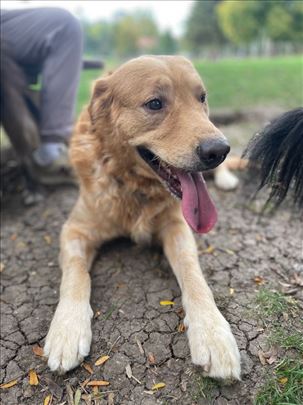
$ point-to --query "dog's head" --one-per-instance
(158, 106)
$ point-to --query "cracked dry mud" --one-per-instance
(128, 282)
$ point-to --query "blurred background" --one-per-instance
(249, 53)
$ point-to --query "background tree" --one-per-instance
(130, 28)
(168, 44)
(202, 28)
(240, 20)
(243, 22)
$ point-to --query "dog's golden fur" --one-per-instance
(120, 195)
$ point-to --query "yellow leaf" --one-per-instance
(283, 380)
(38, 351)
(158, 386)
(88, 367)
(163, 303)
(9, 384)
(47, 400)
(101, 360)
(97, 313)
(259, 280)
(47, 239)
(209, 250)
(98, 383)
(33, 378)
(181, 328)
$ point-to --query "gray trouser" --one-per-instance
(49, 38)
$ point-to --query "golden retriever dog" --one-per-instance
(139, 151)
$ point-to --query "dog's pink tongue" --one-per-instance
(197, 206)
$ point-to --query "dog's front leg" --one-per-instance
(69, 338)
(212, 344)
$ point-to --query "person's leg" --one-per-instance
(50, 38)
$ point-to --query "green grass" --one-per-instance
(273, 303)
(85, 87)
(285, 386)
(254, 82)
(282, 337)
(204, 388)
(236, 83)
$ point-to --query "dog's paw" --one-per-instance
(69, 337)
(214, 348)
(225, 180)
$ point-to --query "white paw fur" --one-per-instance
(225, 180)
(69, 337)
(214, 348)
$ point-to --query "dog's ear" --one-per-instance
(101, 99)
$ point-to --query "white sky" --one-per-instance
(168, 14)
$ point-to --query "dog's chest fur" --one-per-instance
(131, 201)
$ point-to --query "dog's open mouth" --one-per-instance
(197, 206)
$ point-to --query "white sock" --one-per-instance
(47, 153)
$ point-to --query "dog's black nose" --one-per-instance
(212, 152)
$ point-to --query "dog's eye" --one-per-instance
(203, 98)
(154, 104)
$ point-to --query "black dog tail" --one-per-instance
(278, 150)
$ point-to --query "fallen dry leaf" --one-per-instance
(87, 398)
(272, 359)
(47, 400)
(140, 346)
(70, 394)
(262, 357)
(101, 360)
(283, 380)
(128, 371)
(151, 358)
(95, 390)
(88, 368)
(229, 252)
(84, 383)
(231, 291)
(47, 239)
(21, 245)
(38, 350)
(33, 378)
(259, 280)
(98, 383)
(269, 357)
(14, 237)
(149, 392)
(158, 386)
(180, 312)
(209, 250)
(181, 327)
(9, 384)
(1, 267)
(110, 399)
(53, 387)
(97, 314)
(77, 397)
(297, 279)
(164, 303)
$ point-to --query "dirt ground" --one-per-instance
(243, 254)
